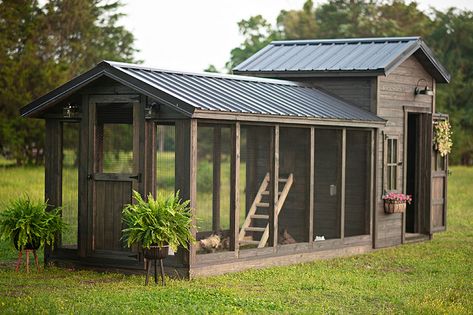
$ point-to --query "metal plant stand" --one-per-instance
(20, 256)
(149, 263)
(152, 255)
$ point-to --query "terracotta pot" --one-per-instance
(394, 207)
(156, 252)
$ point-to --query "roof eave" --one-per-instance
(294, 120)
(314, 73)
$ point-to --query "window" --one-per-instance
(392, 162)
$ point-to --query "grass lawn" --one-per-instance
(425, 278)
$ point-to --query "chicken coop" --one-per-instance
(285, 163)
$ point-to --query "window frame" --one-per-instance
(391, 167)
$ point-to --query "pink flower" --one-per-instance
(397, 197)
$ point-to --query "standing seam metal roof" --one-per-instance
(216, 92)
(377, 55)
(187, 92)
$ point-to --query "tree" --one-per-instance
(42, 46)
(258, 33)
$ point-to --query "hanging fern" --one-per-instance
(443, 137)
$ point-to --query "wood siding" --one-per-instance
(395, 95)
(360, 91)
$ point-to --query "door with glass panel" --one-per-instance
(113, 169)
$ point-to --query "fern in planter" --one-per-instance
(29, 225)
(165, 220)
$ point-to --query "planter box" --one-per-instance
(394, 207)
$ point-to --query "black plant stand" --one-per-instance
(149, 263)
(152, 255)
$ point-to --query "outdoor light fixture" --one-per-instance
(425, 91)
(70, 110)
(151, 109)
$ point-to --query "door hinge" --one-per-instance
(137, 177)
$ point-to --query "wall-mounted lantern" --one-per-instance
(423, 91)
(70, 110)
(151, 109)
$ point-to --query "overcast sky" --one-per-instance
(190, 35)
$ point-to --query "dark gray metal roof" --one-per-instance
(223, 93)
(362, 55)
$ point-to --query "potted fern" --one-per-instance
(29, 225)
(157, 224)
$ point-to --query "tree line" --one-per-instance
(44, 44)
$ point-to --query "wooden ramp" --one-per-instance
(254, 215)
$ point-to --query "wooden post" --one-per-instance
(186, 175)
(235, 188)
(342, 190)
(274, 187)
(217, 149)
(311, 183)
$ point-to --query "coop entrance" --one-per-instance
(113, 170)
(412, 215)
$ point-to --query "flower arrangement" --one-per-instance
(393, 197)
(443, 137)
(396, 202)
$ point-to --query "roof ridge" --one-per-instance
(346, 40)
(117, 64)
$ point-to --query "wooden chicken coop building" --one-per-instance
(285, 162)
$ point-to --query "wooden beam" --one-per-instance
(311, 170)
(275, 119)
(235, 187)
(342, 190)
(274, 187)
(217, 156)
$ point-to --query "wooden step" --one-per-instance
(260, 216)
(255, 229)
(262, 205)
(249, 242)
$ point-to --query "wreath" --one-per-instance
(443, 137)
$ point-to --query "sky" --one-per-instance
(189, 35)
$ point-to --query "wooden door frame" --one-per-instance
(423, 167)
(138, 149)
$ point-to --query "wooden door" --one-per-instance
(438, 210)
(113, 169)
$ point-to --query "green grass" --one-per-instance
(433, 277)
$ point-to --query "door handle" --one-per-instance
(90, 176)
(137, 177)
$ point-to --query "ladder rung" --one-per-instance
(255, 229)
(260, 216)
(263, 204)
(249, 242)
(265, 193)
(283, 180)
